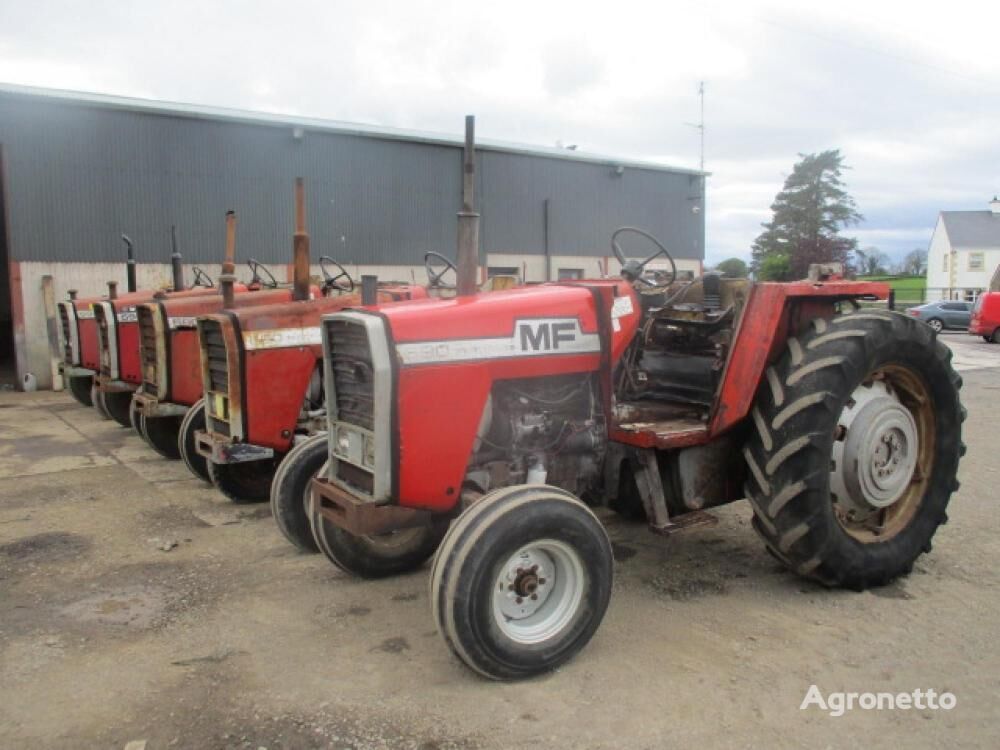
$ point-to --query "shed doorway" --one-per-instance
(8, 365)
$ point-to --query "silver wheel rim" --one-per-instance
(876, 453)
(937, 325)
(538, 591)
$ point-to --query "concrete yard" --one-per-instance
(136, 604)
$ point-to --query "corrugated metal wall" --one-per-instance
(79, 175)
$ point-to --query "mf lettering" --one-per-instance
(543, 337)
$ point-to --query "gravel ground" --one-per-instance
(136, 605)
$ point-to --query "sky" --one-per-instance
(910, 96)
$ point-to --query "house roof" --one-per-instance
(972, 230)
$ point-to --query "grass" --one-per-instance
(910, 290)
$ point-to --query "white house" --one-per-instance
(964, 253)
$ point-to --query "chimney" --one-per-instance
(995, 206)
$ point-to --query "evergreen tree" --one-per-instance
(808, 213)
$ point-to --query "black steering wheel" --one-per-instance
(435, 276)
(632, 269)
(255, 268)
(329, 281)
(202, 279)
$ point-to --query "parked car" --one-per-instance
(944, 314)
(986, 317)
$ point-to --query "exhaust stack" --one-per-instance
(72, 295)
(468, 218)
(300, 245)
(227, 278)
(130, 263)
(112, 290)
(175, 260)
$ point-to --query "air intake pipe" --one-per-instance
(175, 260)
(300, 245)
(130, 263)
(227, 278)
(468, 218)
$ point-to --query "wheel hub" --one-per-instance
(875, 456)
(538, 591)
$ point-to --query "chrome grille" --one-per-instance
(351, 366)
(216, 363)
(67, 334)
(104, 333)
(148, 350)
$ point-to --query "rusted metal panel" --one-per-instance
(344, 510)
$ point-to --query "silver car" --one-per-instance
(944, 314)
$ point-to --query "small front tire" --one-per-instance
(522, 581)
(290, 491)
(119, 405)
(244, 482)
(193, 421)
(161, 434)
(80, 387)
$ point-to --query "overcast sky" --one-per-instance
(911, 96)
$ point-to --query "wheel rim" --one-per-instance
(538, 591)
(882, 455)
(937, 325)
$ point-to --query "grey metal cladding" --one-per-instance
(80, 174)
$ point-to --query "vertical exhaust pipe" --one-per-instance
(227, 278)
(468, 219)
(369, 289)
(130, 263)
(175, 260)
(112, 290)
(72, 295)
(300, 245)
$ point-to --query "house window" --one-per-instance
(570, 274)
(971, 294)
(976, 262)
(944, 263)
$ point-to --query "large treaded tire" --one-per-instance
(378, 556)
(245, 482)
(193, 420)
(794, 420)
(473, 555)
(119, 405)
(80, 387)
(290, 491)
(161, 435)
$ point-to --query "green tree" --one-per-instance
(774, 267)
(734, 268)
(812, 207)
(872, 262)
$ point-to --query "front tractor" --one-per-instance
(487, 425)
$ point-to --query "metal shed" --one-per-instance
(79, 169)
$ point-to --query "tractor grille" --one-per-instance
(149, 350)
(105, 330)
(67, 333)
(216, 362)
(351, 366)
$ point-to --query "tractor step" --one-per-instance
(696, 519)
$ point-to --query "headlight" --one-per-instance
(350, 445)
(370, 451)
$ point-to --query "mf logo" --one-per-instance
(546, 336)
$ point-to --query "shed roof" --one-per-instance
(197, 111)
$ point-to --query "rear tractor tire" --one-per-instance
(119, 406)
(161, 434)
(522, 581)
(193, 421)
(244, 482)
(80, 387)
(857, 436)
(379, 555)
(290, 491)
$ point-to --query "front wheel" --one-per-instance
(97, 399)
(522, 581)
(378, 555)
(118, 405)
(995, 338)
(193, 421)
(936, 325)
(80, 388)
(161, 434)
(856, 444)
(244, 482)
(290, 491)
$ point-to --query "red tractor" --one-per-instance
(485, 426)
